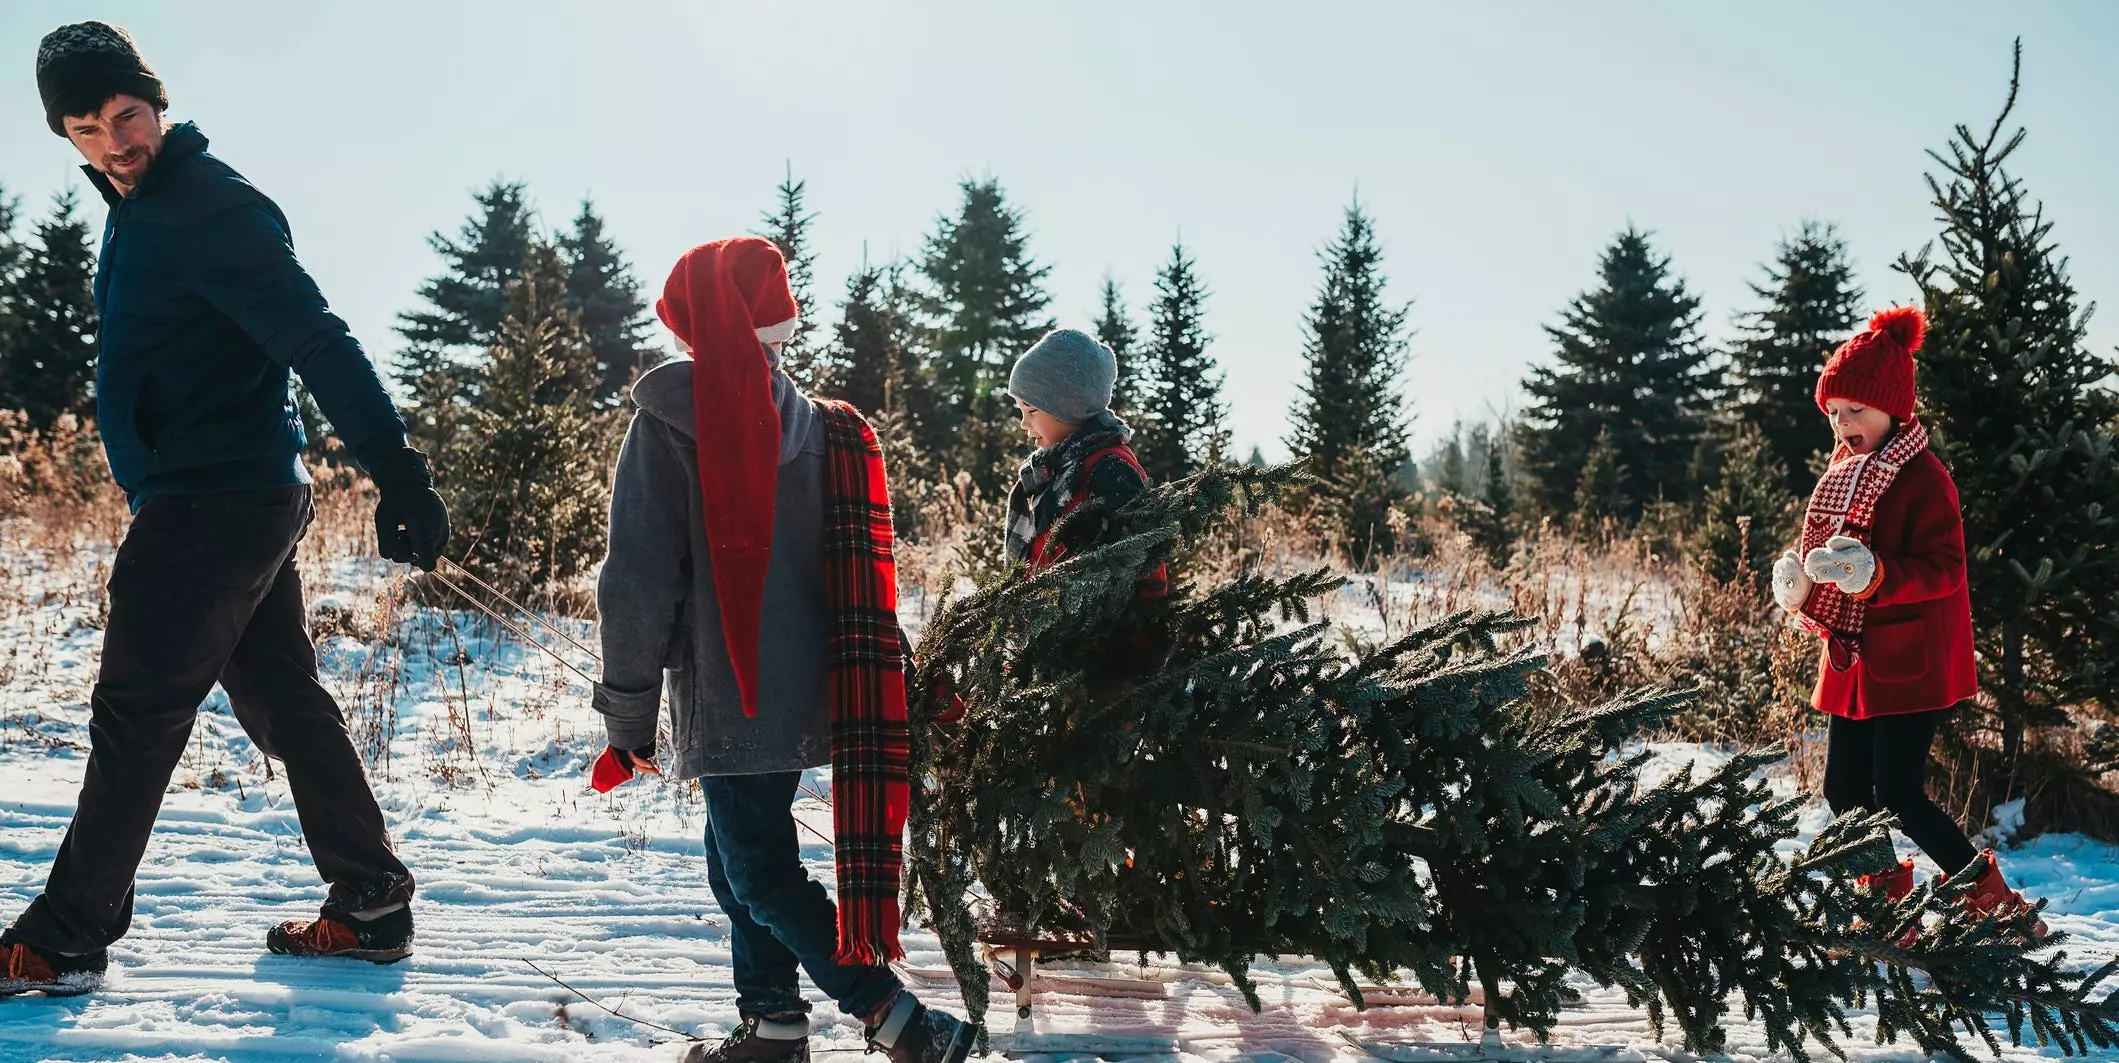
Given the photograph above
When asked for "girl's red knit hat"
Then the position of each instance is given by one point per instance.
(717, 298)
(1875, 368)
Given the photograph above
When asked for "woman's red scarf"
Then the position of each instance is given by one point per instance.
(716, 299)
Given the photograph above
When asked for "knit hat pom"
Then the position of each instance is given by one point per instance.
(1906, 326)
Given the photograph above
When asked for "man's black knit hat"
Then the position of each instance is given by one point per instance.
(81, 66)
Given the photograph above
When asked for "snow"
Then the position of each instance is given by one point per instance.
(483, 777)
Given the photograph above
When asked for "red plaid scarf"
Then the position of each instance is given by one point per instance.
(870, 752)
(1844, 503)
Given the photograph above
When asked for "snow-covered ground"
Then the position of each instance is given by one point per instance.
(482, 771)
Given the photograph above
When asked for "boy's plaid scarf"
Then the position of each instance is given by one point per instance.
(870, 751)
(1045, 484)
(1844, 503)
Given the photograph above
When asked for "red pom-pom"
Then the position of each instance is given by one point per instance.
(1904, 324)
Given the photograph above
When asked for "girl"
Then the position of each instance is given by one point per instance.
(1881, 580)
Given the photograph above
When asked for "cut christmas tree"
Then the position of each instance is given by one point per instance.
(1428, 812)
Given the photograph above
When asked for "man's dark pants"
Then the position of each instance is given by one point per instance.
(779, 918)
(204, 588)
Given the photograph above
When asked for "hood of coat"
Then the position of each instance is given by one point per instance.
(665, 393)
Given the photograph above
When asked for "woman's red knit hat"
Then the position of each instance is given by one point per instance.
(717, 298)
(1875, 368)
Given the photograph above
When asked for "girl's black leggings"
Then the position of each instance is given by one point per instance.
(1882, 762)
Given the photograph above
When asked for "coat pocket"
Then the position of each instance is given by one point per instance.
(683, 699)
(1896, 651)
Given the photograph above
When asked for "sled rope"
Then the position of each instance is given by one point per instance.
(613, 1011)
(520, 608)
(512, 626)
(525, 636)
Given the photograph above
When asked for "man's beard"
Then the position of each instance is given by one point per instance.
(130, 165)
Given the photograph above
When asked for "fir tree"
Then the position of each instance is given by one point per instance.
(1812, 304)
(1183, 420)
(11, 255)
(465, 305)
(1747, 516)
(1351, 405)
(606, 298)
(1420, 811)
(1451, 477)
(872, 360)
(1600, 490)
(1115, 329)
(529, 476)
(50, 368)
(984, 304)
(787, 226)
(2023, 416)
(1631, 366)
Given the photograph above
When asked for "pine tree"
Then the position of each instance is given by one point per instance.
(1486, 517)
(983, 305)
(12, 252)
(1352, 406)
(1747, 516)
(50, 369)
(529, 476)
(787, 226)
(2022, 416)
(465, 305)
(1449, 463)
(1600, 490)
(1115, 329)
(1631, 365)
(607, 300)
(1425, 810)
(872, 360)
(1812, 304)
(1183, 422)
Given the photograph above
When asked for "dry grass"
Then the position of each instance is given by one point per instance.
(1613, 610)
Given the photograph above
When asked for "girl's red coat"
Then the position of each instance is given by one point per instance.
(1916, 647)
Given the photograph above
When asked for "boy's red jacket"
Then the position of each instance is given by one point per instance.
(1916, 644)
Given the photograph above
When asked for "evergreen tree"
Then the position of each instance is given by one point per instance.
(1494, 532)
(1183, 420)
(529, 476)
(465, 305)
(1812, 304)
(872, 361)
(2023, 416)
(1451, 477)
(1747, 515)
(1631, 367)
(1351, 405)
(607, 300)
(11, 255)
(1114, 327)
(1600, 491)
(787, 226)
(1419, 811)
(50, 352)
(984, 305)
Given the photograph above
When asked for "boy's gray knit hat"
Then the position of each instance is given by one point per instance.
(1067, 374)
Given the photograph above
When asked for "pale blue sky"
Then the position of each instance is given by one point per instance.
(1499, 146)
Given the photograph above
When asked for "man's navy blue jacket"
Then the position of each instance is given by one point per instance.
(204, 310)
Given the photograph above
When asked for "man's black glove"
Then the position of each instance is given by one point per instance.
(411, 521)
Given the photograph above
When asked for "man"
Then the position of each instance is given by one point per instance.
(204, 310)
